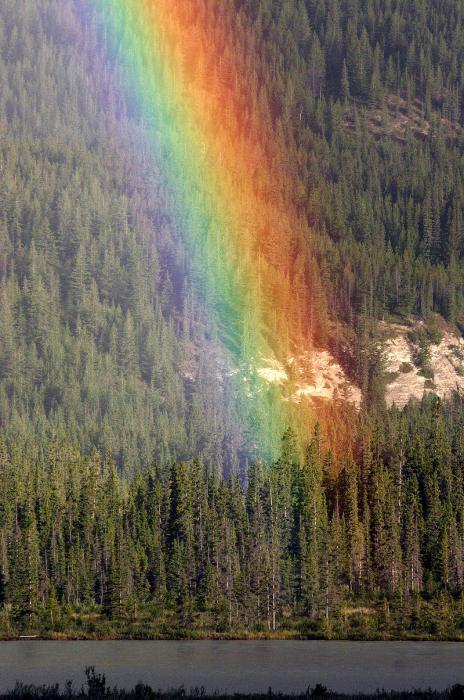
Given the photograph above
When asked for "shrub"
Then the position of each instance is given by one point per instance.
(426, 372)
(434, 333)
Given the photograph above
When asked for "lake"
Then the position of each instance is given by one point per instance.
(238, 666)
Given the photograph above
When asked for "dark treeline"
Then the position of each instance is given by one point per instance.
(97, 686)
(365, 547)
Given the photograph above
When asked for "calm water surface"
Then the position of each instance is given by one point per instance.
(238, 666)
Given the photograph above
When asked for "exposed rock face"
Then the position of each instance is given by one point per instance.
(316, 375)
(311, 376)
(445, 367)
(319, 376)
(417, 362)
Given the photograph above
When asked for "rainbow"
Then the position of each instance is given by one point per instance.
(224, 155)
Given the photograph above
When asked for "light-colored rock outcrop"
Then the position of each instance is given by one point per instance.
(406, 380)
(315, 375)
(311, 376)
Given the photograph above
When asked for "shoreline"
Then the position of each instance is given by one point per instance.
(225, 638)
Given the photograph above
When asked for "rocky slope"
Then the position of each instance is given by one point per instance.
(313, 376)
(419, 361)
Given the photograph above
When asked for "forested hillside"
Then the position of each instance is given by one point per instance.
(100, 335)
(94, 333)
(111, 370)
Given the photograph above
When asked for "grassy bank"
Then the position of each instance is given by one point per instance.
(368, 620)
(135, 633)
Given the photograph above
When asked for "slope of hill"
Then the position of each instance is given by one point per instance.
(92, 329)
(113, 373)
(314, 376)
(98, 319)
(418, 362)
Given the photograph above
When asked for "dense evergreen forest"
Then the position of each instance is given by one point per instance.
(108, 365)
(100, 331)
(371, 548)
